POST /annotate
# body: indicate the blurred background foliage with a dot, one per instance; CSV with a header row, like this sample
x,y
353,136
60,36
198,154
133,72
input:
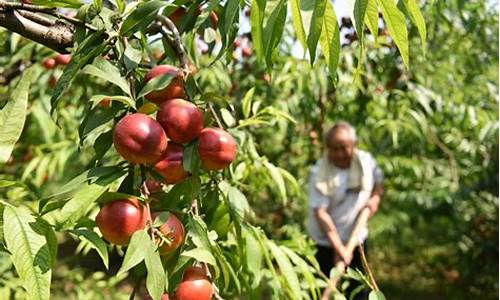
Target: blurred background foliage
x,y
433,129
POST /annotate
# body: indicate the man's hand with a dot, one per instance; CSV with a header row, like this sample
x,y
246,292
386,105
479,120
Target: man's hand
x,y
373,206
343,254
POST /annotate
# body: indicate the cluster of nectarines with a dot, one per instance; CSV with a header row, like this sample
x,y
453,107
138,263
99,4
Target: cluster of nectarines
x,y
159,143
141,139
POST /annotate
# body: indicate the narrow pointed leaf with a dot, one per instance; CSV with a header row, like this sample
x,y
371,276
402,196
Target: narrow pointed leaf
x,y
396,24
13,116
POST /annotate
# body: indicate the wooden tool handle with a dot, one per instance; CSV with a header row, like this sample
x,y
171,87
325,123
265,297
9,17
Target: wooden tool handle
x,y
351,244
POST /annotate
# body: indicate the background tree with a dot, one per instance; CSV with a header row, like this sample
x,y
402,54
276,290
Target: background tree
x,y
431,121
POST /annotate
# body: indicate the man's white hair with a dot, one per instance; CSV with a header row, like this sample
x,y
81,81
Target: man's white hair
x,y
342,125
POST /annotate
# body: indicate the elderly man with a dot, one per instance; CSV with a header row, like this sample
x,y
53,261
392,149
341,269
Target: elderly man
x,y
342,183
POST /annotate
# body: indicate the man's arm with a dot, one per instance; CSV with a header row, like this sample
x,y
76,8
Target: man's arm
x,y
329,228
374,201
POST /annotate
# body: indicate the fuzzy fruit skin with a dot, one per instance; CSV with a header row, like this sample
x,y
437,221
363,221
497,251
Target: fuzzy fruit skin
x,y
175,89
181,119
49,63
63,59
139,139
195,285
170,164
217,148
194,273
118,220
174,230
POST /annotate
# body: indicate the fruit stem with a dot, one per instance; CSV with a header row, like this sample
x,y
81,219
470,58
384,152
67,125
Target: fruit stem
x,y
214,114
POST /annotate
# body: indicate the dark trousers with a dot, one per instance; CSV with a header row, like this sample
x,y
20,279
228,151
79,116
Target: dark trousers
x,y
326,260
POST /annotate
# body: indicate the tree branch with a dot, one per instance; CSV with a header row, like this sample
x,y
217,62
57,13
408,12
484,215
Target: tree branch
x,y
175,41
58,37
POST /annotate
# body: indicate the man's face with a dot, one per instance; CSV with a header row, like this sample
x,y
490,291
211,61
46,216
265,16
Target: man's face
x,y
340,147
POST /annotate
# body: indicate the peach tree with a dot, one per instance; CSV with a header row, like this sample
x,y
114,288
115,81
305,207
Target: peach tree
x,y
122,149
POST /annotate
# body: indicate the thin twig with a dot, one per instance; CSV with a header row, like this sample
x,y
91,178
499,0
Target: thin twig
x,y
177,43
37,18
367,267
214,114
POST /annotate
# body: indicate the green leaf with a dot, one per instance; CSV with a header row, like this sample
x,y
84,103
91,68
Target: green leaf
x,y
371,18
198,232
316,27
191,158
131,57
103,143
330,39
31,244
376,295
359,16
141,17
92,46
231,10
59,3
227,117
104,70
135,251
155,279
253,256
202,255
7,183
96,99
297,23
81,203
305,269
182,193
247,102
256,21
13,116
416,17
396,24
274,30
95,242
89,175
157,83
286,267
278,179
238,202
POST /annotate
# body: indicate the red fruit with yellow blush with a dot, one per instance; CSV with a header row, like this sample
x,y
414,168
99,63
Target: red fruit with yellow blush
x,y
120,219
217,148
181,119
173,230
195,285
139,139
175,89
170,164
